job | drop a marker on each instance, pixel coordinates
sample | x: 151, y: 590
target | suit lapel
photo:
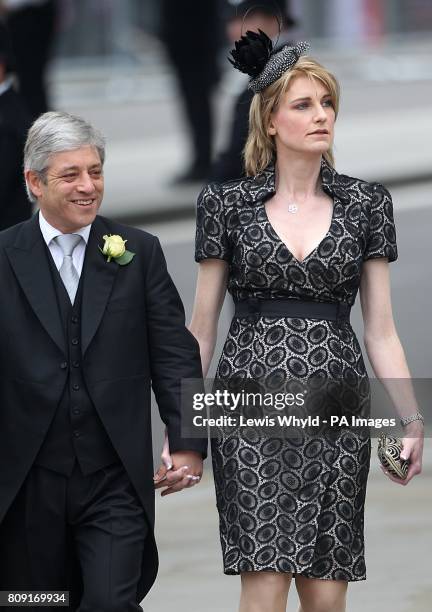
x: 28, y: 258
x: 98, y: 279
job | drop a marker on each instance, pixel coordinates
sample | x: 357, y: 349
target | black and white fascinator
x: 254, y: 55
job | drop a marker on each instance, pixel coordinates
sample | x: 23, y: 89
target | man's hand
x: 166, y: 464
x: 186, y: 470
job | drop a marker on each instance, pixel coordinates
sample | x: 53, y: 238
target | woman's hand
x: 412, y: 450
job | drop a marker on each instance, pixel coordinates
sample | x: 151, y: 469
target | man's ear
x: 33, y: 181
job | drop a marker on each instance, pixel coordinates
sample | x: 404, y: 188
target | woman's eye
x: 305, y: 105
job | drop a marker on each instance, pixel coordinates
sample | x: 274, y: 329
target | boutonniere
x: 114, y: 248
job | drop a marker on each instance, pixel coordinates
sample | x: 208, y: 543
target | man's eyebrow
x: 66, y: 168
x: 69, y: 168
x: 327, y: 95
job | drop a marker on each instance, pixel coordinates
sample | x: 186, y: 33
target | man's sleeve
x: 174, y: 352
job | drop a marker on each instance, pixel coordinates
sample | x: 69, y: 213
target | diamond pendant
x: 292, y: 208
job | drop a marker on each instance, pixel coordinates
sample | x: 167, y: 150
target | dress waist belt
x: 292, y: 307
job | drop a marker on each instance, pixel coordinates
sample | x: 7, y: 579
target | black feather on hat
x: 251, y: 53
x: 254, y: 55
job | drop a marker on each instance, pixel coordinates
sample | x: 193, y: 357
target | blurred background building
x: 339, y: 20
x: 110, y: 63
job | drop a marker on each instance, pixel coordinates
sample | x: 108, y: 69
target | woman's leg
x: 318, y: 595
x: 264, y: 591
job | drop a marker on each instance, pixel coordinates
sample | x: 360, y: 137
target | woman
x: 292, y: 236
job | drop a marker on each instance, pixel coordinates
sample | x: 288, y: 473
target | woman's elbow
x: 380, y: 336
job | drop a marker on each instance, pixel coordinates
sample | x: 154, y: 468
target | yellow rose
x: 114, y: 246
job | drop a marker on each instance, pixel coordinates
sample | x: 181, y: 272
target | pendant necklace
x: 293, y: 207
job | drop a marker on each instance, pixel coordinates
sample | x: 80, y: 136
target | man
x: 273, y: 17
x: 14, y: 123
x: 86, y: 329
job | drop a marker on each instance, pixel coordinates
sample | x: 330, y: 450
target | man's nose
x: 85, y: 184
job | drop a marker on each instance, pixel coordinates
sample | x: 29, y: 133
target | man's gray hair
x: 55, y: 132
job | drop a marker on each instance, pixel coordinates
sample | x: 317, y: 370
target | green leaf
x: 124, y: 259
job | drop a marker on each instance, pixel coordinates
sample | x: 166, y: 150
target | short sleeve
x: 211, y: 241
x: 381, y: 238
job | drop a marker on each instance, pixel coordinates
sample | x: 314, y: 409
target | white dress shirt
x: 49, y: 233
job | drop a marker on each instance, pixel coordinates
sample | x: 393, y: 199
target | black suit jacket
x: 133, y: 337
x: 14, y: 123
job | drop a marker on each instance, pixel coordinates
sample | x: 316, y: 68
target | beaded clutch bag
x: 389, y: 451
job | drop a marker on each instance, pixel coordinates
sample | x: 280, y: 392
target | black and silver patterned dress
x: 293, y: 505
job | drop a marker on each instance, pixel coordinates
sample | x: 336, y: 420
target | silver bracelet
x: 409, y: 419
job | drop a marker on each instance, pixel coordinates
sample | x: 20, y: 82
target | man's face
x: 71, y: 193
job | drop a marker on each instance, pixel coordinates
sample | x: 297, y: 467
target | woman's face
x: 304, y: 119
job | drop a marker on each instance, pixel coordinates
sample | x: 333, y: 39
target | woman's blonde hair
x: 260, y: 148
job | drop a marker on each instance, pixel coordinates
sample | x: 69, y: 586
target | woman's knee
x: 325, y: 604
x: 264, y: 584
x: 322, y: 595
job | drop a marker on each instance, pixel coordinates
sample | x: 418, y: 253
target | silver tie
x: 68, y: 272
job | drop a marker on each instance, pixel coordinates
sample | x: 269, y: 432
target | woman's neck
x: 298, y: 177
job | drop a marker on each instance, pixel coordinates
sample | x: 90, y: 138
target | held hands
x: 412, y: 450
x: 179, y: 470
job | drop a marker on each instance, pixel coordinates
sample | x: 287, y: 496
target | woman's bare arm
x: 209, y: 297
x: 386, y: 353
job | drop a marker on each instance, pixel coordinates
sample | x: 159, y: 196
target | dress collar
x: 263, y: 184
